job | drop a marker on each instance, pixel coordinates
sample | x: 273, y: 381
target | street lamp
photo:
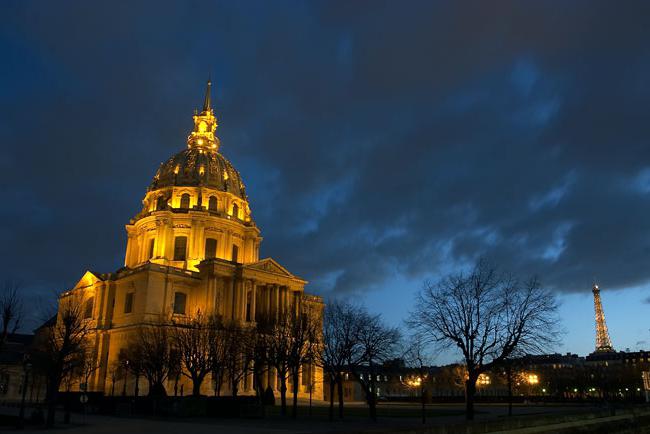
x: 27, y: 366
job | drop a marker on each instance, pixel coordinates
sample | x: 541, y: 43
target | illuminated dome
x: 197, y: 167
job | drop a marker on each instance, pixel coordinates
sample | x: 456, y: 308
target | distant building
x: 14, y: 364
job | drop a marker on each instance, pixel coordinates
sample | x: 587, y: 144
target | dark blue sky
x: 381, y: 143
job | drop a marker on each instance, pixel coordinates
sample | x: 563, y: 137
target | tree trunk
x: 509, y: 377
x: 51, y: 394
x: 283, y: 394
x: 470, y: 392
x: 339, y: 383
x: 424, y: 408
x: 196, y: 387
x: 294, y: 410
x: 372, y: 395
x: 332, y: 385
x: 234, y: 387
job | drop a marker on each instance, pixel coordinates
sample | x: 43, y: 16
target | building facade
x: 193, y: 247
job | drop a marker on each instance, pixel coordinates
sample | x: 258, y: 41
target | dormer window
x: 185, y: 201
x: 212, y: 203
x: 161, y: 203
x: 235, y: 210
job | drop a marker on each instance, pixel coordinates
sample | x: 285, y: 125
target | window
x: 212, y: 203
x: 128, y: 302
x: 210, y: 248
x: 235, y: 252
x: 248, y: 305
x: 161, y: 203
x: 179, y: 303
x: 152, y: 243
x: 88, y: 308
x: 185, y: 201
x: 180, y: 248
x: 235, y: 210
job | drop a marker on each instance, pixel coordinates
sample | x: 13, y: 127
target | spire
x: 205, y: 124
x: 206, y: 102
x: 603, y: 343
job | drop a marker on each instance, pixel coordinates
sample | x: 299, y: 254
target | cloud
x: 375, y: 142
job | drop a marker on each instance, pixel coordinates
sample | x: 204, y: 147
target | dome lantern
x: 205, y: 125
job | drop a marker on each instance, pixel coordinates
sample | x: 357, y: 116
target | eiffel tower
x: 603, y: 343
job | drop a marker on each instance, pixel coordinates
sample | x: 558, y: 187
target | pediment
x: 88, y: 279
x: 271, y: 266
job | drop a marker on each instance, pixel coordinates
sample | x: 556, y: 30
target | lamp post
x: 27, y: 366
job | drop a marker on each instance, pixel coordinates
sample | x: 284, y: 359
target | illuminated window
x: 210, y: 248
x: 128, y: 302
x: 180, y: 298
x: 180, y: 248
x: 161, y: 203
x: 185, y: 201
x: 235, y: 252
x: 152, y: 243
x: 212, y: 203
x: 88, y: 307
x: 235, y: 210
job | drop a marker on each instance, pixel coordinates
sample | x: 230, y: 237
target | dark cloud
x: 378, y: 140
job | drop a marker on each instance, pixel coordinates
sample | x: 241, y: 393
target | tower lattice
x: 603, y: 343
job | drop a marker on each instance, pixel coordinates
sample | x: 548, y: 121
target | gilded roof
x: 196, y: 167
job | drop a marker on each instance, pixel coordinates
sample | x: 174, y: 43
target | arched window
x: 235, y: 210
x: 235, y: 252
x: 180, y: 298
x: 88, y: 307
x: 212, y: 203
x: 185, y: 201
x: 161, y: 203
x: 210, y: 248
x: 180, y: 248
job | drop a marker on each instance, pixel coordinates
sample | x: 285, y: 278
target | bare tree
x: 417, y: 357
x: 114, y: 371
x: 87, y: 367
x: 194, y: 342
x: 341, y: 321
x: 237, y: 340
x: 11, y: 311
x: 152, y: 348
x: 60, y: 347
x: 304, y: 336
x: 278, y: 332
x: 218, y: 353
x: 377, y: 343
x: 259, y: 357
x: 489, y: 317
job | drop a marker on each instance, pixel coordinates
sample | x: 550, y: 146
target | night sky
x: 381, y: 143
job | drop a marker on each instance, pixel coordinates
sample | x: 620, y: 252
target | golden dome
x: 197, y: 167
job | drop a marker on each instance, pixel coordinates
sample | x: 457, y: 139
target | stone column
x: 253, y: 299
